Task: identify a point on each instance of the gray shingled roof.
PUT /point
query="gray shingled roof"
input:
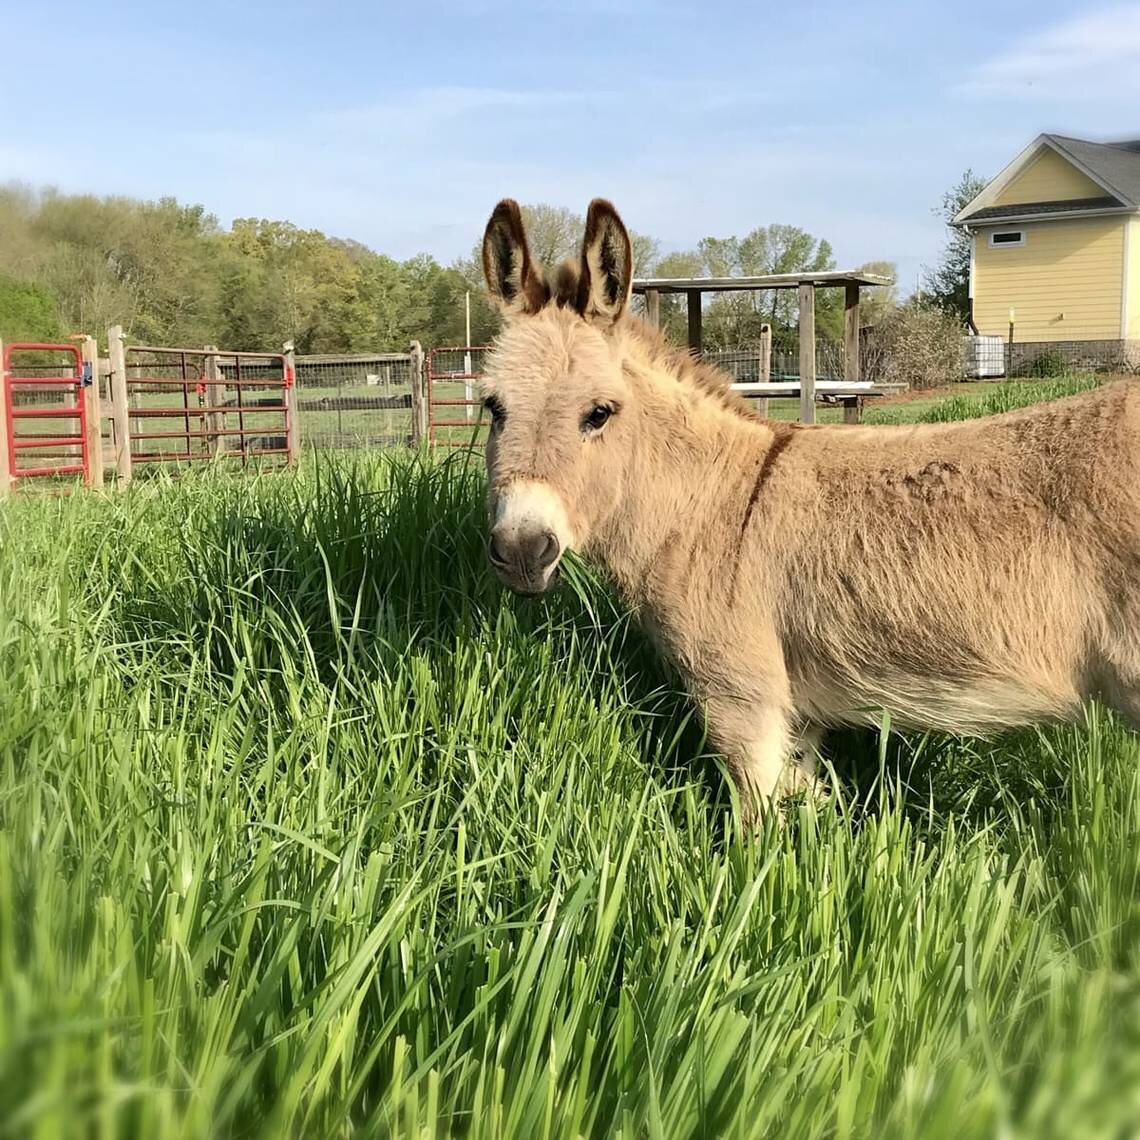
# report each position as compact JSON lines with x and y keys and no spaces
{"x":1029,"y":209}
{"x":1116,"y":164}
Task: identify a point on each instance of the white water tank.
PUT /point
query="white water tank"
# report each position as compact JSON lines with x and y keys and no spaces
{"x":985,"y":357}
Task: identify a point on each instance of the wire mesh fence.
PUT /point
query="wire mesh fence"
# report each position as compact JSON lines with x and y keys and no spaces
{"x":361,"y":400}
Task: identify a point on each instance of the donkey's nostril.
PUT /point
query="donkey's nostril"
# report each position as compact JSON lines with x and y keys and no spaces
{"x":543,"y":548}
{"x":495,"y":552}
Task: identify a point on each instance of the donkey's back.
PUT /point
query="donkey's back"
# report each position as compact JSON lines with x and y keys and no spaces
{"x":965,"y":576}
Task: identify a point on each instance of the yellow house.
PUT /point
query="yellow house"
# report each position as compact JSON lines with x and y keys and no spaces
{"x":1056,"y":251}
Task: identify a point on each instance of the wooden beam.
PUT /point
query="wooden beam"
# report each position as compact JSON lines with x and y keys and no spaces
{"x":807,"y":353}
{"x":851,"y":332}
{"x":765,"y":366}
{"x":852,"y":409}
{"x":694,"y":296}
{"x":653,"y":307}
{"x":120,"y":405}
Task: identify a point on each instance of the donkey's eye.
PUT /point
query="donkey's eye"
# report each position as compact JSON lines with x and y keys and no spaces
{"x":496,"y":409}
{"x":597,"y":417}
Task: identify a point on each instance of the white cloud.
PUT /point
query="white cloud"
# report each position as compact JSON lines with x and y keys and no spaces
{"x":1092,"y":56}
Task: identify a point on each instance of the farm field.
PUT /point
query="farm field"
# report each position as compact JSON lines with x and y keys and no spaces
{"x":307,"y":828}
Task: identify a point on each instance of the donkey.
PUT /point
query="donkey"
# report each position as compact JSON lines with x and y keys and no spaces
{"x":966,"y":577}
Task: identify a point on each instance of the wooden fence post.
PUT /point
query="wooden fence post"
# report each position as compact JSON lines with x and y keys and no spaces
{"x":765,"y":366}
{"x":293,"y":435}
{"x":653,"y":307}
{"x":90,"y":395}
{"x":5,"y":458}
{"x":852,"y":409}
{"x":120,"y":405}
{"x":419,"y":395}
{"x":807,"y":352}
{"x":694,"y":305}
{"x":215,"y":398}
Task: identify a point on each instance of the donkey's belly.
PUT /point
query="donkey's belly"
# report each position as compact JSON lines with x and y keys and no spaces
{"x":931,"y":702}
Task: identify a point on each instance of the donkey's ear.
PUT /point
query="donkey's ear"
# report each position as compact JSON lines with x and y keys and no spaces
{"x":516,"y":284}
{"x":607,"y":265}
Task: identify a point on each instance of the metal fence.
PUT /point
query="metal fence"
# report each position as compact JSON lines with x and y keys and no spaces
{"x":360,"y":400}
{"x":454,"y":411}
{"x":173,"y":406}
{"x":48,"y":416}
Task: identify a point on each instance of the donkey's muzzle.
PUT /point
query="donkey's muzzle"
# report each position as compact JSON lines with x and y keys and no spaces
{"x":525,"y":561}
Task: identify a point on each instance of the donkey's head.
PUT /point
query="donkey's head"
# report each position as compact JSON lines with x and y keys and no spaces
{"x":560,"y":444}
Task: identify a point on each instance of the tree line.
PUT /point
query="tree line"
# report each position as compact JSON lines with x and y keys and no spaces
{"x":172,"y":274}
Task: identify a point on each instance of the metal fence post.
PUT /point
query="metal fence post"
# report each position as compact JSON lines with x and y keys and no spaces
{"x":120,"y":405}
{"x":419,"y":395}
{"x":292,"y":419}
{"x":90,"y":395}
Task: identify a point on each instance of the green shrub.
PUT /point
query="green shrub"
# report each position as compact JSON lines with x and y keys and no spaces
{"x":1047,"y":365}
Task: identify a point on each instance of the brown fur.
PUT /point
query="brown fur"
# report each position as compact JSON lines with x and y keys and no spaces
{"x":966,"y":577}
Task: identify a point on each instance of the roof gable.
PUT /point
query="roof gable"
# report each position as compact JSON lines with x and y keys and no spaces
{"x":1048,"y":177}
{"x":1105,"y":176}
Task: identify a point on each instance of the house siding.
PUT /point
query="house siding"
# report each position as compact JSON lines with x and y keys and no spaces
{"x":1070,"y":267}
{"x":1134,"y":279}
{"x":1048,"y":178}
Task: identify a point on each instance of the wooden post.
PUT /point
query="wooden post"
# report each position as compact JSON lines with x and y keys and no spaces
{"x":653,"y":307}
{"x":90,"y":396}
{"x":765,"y":366}
{"x":292,"y":419}
{"x":215,"y":398}
{"x":419,"y":394}
{"x":851,"y":333}
{"x":807,"y":352}
{"x":694,"y":296}
{"x":5,"y":459}
{"x":852,"y":409}
{"x":120,"y":405}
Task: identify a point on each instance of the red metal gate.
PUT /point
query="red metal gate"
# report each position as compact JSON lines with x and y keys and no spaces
{"x":187,"y":405}
{"x":455,"y":412}
{"x":45,"y":412}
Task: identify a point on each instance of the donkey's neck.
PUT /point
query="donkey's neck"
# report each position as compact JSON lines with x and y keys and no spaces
{"x":695,"y":459}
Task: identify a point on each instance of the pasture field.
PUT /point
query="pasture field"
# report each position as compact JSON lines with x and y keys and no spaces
{"x":308,"y":829}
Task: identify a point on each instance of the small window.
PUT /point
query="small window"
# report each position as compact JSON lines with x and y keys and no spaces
{"x":1007,"y":237}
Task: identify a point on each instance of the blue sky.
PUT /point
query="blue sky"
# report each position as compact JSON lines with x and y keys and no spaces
{"x":400,"y":125}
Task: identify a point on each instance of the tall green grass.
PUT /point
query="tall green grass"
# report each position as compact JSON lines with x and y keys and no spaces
{"x":992,"y":401}
{"x":308,"y":829}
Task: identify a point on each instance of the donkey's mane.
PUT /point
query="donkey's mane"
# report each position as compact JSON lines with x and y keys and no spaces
{"x":709,"y":379}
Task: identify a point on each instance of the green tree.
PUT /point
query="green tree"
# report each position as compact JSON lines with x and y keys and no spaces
{"x":734,"y":320}
{"x":947,"y":285}
{"x":28,"y":311}
{"x":877,"y":303}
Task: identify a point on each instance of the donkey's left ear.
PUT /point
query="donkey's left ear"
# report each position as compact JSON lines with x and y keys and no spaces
{"x":606,"y":277}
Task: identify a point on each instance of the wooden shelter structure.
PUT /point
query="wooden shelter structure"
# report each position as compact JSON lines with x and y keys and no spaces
{"x":852,"y":282}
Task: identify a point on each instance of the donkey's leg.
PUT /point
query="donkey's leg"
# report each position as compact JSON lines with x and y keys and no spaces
{"x":800,"y":772}
{"x":1123,"y":693}
{"x":1120,"y":666}
{"x":758,"y":744}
